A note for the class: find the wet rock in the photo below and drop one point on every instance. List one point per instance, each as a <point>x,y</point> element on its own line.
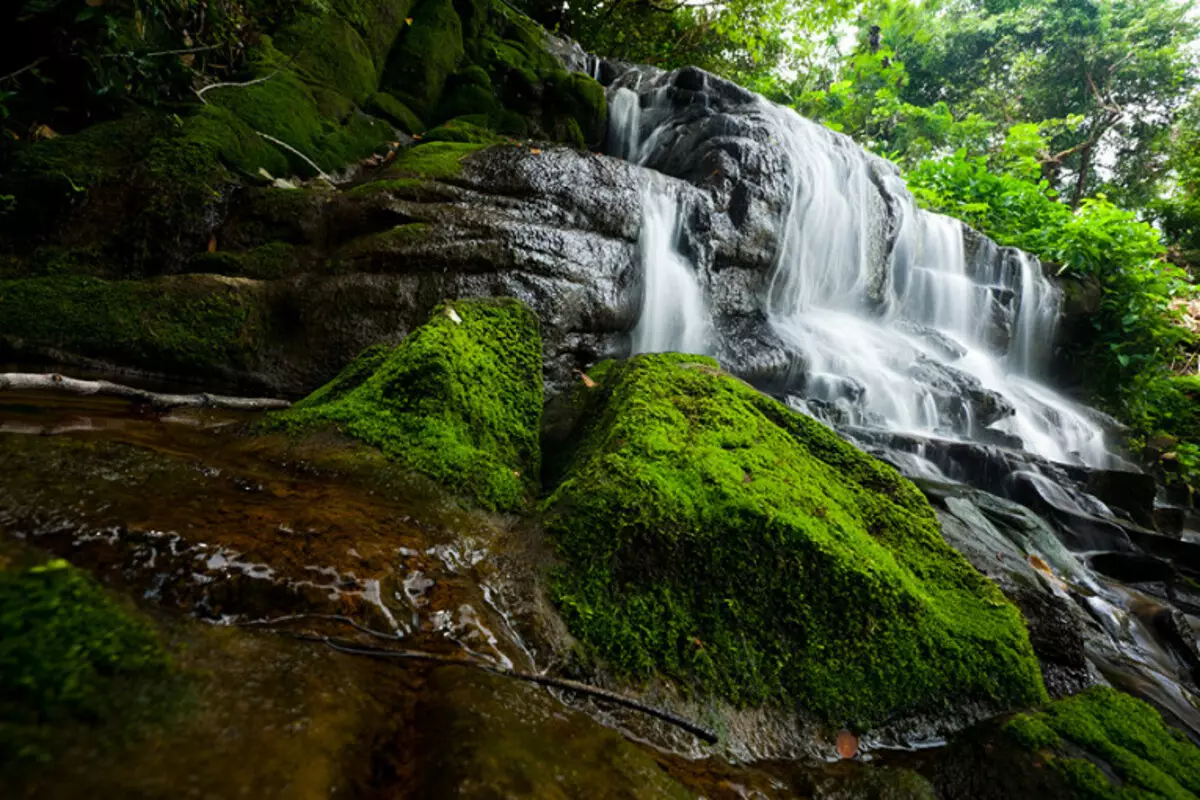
<point>1132,492</point>
<point>998,538</point>
<point>1170,520</point>
<point>1132,567</point>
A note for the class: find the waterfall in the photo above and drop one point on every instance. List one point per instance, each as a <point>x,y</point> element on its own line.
<point>674,314</point>
<point>895,322</point>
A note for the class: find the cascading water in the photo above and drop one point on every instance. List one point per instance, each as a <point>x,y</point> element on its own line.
<point>911,347</point>
<point>674,315</point>
<point>898,329</point>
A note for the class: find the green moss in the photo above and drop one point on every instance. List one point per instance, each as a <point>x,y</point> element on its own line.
<point>1031,732</point>
<point>429,52</point>
<point>398,239</point>
<point>399,114</point>
<point>458,401</point>
<point>1125,735</point>
<point>266,262</point>
<point>710,534</point>
<point>435,160</point>
<point>322,124</point>
<point>325,50</point>
<point>187,323</point>
<point>460,130</point>
<point>63,643</point>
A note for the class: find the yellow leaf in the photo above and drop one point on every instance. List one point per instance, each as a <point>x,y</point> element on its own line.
<point>535,151</point>
<point>212,245</point>
<point>408,20</point>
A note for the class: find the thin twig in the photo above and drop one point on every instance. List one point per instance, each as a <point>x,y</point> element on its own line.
<point>200,92</point>
<point>296,153</point>
<point>350,648</point>
<point>390,637</point>
<point>18,381</point>
<point>183,52</point>
<point>529,677</point>
<point>25,69</point>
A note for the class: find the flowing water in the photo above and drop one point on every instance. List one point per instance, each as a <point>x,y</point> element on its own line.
<point>896,349</point>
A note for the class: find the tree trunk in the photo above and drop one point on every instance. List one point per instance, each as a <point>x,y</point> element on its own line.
<point>1085,163</point>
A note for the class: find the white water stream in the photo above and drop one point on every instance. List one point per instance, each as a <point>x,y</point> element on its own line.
<point>903,348</point>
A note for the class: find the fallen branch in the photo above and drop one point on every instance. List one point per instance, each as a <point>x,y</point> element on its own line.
<point>200,92</point>
<point>296,153</point>
<point>22,381</point>
<point>351,648</point>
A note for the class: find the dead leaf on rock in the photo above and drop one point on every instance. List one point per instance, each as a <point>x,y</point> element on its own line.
<point>588,382</point>
<point>847,744</point>
<point>535,151</point>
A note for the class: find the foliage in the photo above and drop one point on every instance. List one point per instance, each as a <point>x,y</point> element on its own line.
<point>1147,758</point>
<point>460,400</point>
<point>749,41</point>
<point>710,534</point>
<point>63,641</point>
<point>1115,72</point>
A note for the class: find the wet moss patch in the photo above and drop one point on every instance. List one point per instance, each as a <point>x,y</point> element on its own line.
<point>203,324</point>
<point>460,400</point>
<point>711,535</point>
<point>64,643</point>
<point>1106,744</point>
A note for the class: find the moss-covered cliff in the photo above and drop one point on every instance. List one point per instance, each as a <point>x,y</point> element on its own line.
<point>325,86</point>
<point>712,535</point>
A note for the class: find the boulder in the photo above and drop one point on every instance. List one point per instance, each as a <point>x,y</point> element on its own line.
<point>713,536</point>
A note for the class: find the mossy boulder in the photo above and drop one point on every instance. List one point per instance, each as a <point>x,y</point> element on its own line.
<point>709,534</point>
<point>1107,745</point>
<point>64,645</point>
<point>459,400</point>
<point>198,325</point>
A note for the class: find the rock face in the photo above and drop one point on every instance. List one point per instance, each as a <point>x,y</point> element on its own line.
<point>713,535</point>
<point>320,273</point>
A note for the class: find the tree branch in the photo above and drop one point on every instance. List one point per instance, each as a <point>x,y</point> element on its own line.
<point>22,381</point>
<point>25,69</point>
<point>529,677</point>
<point>352,648</point>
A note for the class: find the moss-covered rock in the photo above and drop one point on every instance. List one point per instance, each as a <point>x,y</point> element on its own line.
<point>188,324</point>
<point>710,534</point>
<point>63,643</point>
<point>427,55</point>
<point>326,87</point>
<point>460,400</point>
<point>1106,744</point>
<point>436,160</point>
